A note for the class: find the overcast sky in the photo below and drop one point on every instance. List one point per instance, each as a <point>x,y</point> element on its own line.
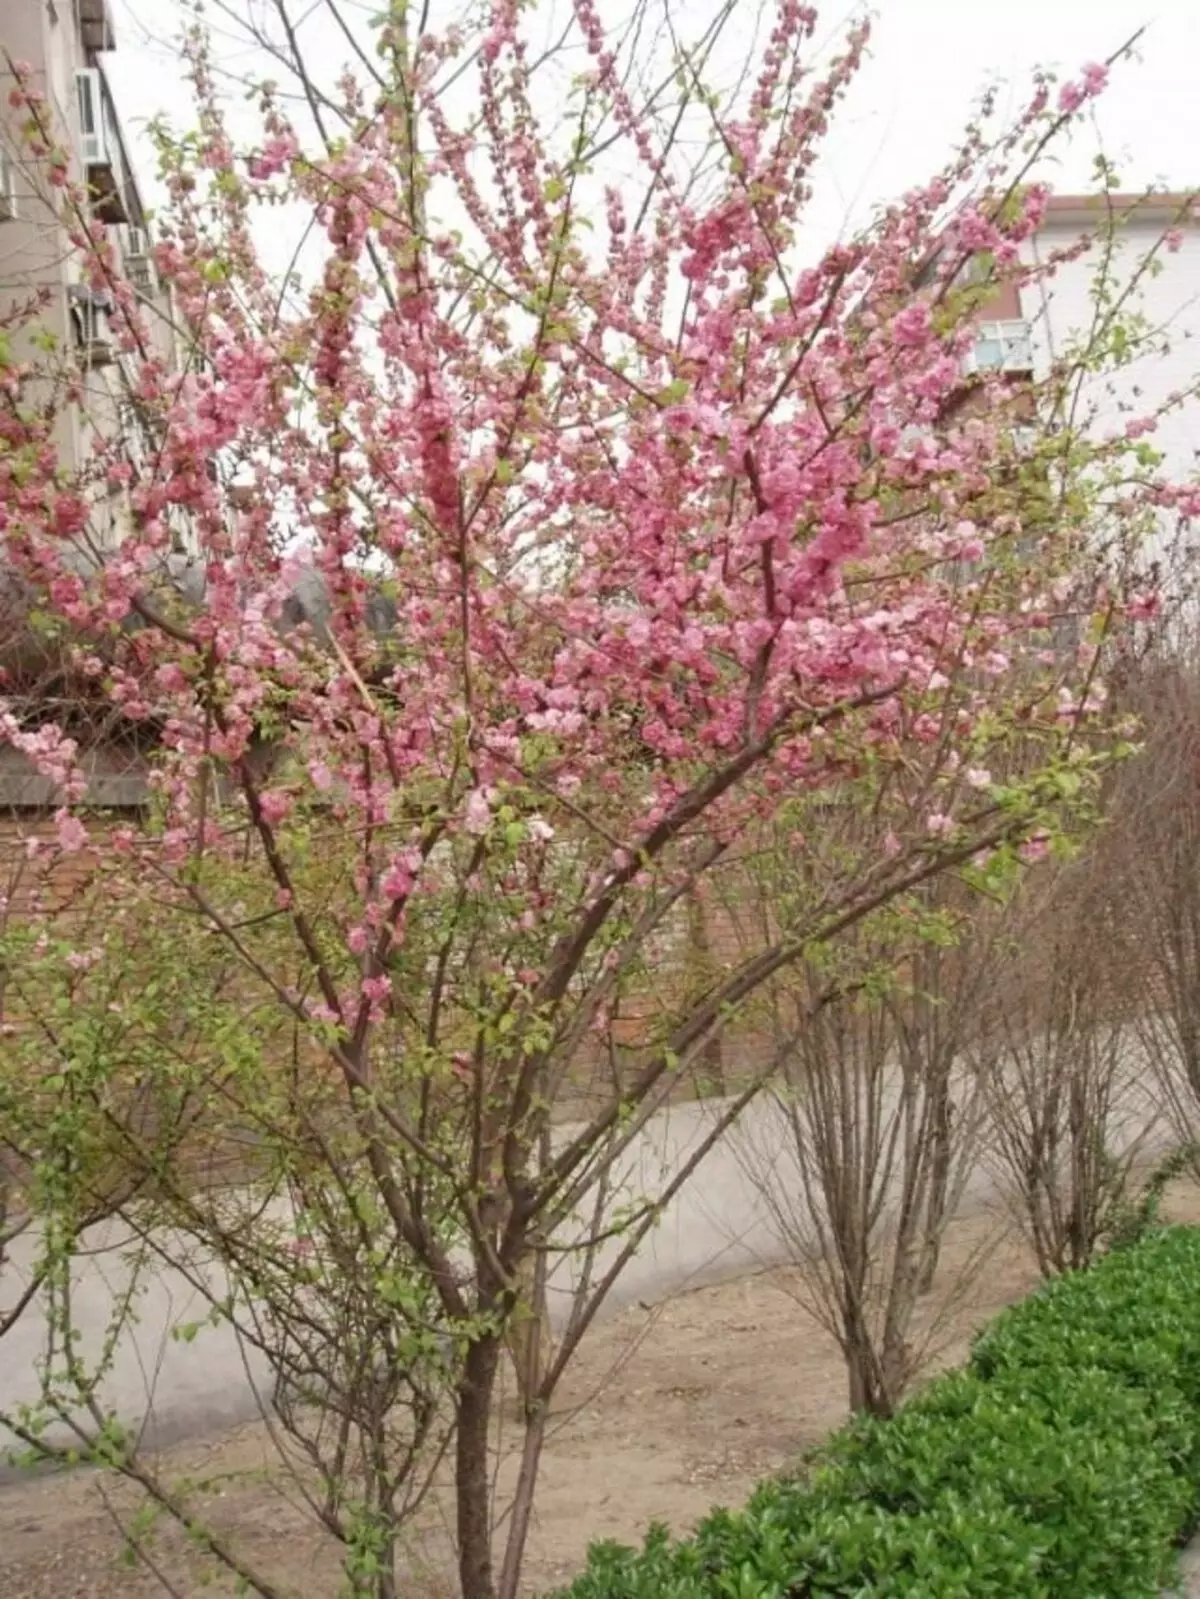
<point>929,60</point>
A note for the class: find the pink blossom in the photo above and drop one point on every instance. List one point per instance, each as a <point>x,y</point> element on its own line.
<point>397,880</point>
<point>911,326</point>
<point>274,804</point>
<point>939,824</point>
<point>71,833</point>
<point>1072,95</point>
<point>478,818</point>
<point>978,776</point>
<point>171,677</point>
<point>1144,607</point>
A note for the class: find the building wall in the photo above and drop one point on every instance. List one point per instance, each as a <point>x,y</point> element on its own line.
<point>1064,309</point>
<point>32,256</point>
<point>35,253</point>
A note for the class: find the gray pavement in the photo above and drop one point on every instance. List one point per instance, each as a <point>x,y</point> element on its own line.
<point>717,1226</point>
<point>724,1221</point>
<point>1188,1586</point>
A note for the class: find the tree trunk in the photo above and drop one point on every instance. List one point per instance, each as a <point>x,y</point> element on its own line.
<point>527,1333</point>
<point>941,1161</point>
<point>861,1364</point>
<point>472,1476</point>
<point>859,1393</point>
<point>522,1505</point>
<point>711,1065</point>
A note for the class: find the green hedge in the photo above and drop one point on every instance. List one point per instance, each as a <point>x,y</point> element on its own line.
<point>1064,1459</point>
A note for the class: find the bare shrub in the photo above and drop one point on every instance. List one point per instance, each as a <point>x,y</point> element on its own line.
<point>880,1128</point>
<point>1069,1115</point>
<point>1156,817</point>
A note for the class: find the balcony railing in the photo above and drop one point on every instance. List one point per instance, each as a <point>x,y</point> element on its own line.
<point>1001,347</point>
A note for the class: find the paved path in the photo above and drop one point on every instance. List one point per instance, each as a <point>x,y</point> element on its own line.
<point>718,1225</point>
<point>1189,1586</point>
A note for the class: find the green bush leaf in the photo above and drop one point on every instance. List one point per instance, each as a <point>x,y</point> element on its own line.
<point>1063,1459</point>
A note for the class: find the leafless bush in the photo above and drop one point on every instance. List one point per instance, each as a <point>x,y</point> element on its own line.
<point>1156,818</point>
<point>1068,1116</point>
<point>880,1129</point>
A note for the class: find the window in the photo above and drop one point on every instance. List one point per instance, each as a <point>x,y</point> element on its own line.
<point>8,188</point>
<point>93,145</point>
<point>139,268</point>
<point>133,439</point>
<point>1001,347</point>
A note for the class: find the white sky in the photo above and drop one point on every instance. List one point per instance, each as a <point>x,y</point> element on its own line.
<point>929,60</point>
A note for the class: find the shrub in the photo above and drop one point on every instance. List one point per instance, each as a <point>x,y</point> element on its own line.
<point>1063,1459</point>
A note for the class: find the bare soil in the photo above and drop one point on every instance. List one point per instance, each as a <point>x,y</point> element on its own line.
<point>666,1413</point>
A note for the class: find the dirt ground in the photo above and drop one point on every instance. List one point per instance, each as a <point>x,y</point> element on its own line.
<point>666,1413</point>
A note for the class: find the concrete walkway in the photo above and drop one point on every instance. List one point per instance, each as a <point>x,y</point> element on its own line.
<point>1189,1584</point>
<point>719,1225</point>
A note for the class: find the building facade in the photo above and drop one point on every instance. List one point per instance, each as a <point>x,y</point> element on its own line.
<point>1165,359</point>
<point>65,42</point>
<point>1022,332</point>
<point>51,317</point>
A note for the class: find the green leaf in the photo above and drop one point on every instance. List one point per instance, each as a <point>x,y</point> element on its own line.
<point>674,392</point>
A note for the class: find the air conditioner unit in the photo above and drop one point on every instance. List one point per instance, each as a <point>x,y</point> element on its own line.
<point>93,143</point>
<point>8,189</point>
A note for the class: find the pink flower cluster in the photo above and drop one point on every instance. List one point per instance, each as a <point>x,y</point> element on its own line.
<point>597,509</point>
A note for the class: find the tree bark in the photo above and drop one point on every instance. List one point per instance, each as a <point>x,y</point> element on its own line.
<point>522,1505</point>
<point>472,1477</point>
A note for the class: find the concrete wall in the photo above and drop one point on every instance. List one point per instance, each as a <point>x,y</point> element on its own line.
<point>1064,309</point>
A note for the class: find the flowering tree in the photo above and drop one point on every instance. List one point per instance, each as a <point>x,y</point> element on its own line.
<point>484,588</point>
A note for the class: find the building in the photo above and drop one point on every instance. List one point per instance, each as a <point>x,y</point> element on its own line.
<point>1166,360</point>
<point>1021,332</point>
<point>50,313</point>
<point>65,42</point>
